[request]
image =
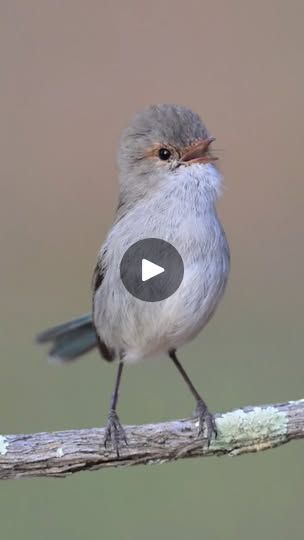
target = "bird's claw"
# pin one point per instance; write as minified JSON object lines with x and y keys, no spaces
{"x":206,"y":422}
{"x":114,"y":432}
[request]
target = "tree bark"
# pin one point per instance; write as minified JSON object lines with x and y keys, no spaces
{"x":58,"y":454}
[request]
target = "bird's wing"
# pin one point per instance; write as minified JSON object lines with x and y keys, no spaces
{"x":98,"y":277}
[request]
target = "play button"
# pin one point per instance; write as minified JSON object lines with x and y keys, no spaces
{"x":151,"y":269}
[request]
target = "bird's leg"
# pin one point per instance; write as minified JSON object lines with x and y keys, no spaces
{"x":114,"y":431}
{"x":205,"y":418}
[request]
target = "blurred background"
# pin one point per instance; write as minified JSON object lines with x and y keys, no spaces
{"x":72,"y":75}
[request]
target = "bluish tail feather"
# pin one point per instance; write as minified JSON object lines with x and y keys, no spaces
{"x":71,"y":339}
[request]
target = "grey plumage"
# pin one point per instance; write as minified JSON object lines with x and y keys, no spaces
{"x":157,"y":124}
{"x":176,"y":203}
{"x":156,"y":200}
{"x":174,"y":200}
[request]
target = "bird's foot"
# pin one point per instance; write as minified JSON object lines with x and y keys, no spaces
{"x":114,"y":432}
{"x":206,"y":421}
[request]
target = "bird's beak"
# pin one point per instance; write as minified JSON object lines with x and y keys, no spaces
{"x":198,"y":153}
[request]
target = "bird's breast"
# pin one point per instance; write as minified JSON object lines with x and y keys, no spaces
{"x":184,"y":215}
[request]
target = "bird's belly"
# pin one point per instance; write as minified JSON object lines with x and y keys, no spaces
{"x":137,"y":329}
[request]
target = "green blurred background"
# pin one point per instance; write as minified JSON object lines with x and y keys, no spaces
{"x":72,"y":74}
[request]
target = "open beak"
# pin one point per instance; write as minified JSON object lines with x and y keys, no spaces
{"x":198,"y":153}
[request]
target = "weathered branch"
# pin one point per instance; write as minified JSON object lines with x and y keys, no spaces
{"x":58,"y":454}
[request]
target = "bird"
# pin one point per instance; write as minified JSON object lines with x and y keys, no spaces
{"x":169,"y":184}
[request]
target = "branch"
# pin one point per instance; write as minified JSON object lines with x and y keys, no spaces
{"x":61,"y":453}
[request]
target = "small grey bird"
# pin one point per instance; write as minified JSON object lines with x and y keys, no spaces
{"x":169,"y":187}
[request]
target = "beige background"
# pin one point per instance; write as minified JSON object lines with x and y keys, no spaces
{"x":72,"y":74}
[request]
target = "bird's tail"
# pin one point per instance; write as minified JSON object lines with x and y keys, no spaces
{"x":71,"y":339}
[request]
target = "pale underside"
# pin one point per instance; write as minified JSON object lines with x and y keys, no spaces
{"x":182,"y":213}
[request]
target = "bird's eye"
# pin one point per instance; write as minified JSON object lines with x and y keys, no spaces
{"x":164,"y":154}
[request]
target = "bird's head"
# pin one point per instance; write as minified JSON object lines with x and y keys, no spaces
{"x":161,"y":143}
